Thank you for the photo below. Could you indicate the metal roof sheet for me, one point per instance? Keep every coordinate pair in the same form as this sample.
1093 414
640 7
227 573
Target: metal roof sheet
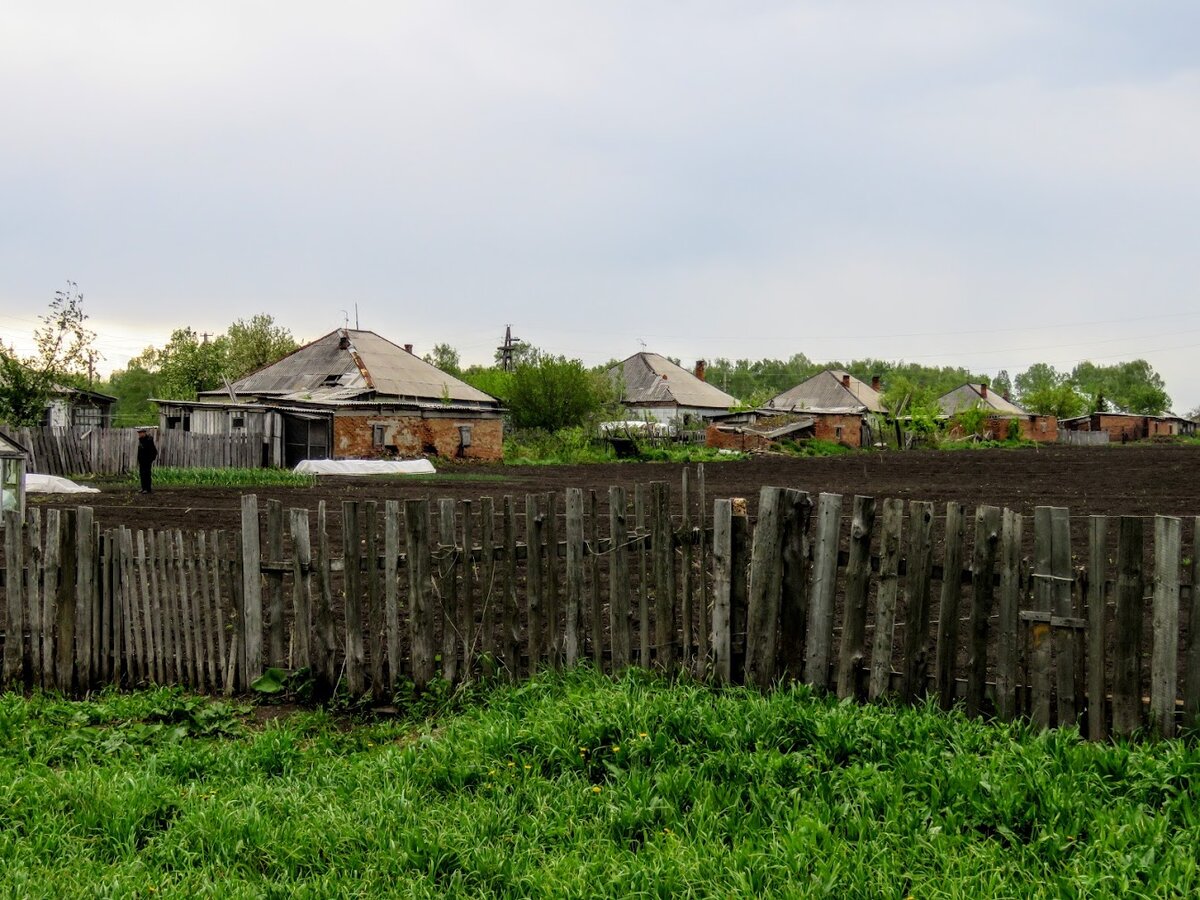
827 392
369 364
651 378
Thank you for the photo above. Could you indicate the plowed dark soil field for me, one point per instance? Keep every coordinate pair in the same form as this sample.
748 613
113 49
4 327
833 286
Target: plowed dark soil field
1121 480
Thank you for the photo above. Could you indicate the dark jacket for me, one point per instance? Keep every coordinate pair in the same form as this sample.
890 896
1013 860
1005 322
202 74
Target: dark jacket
147 452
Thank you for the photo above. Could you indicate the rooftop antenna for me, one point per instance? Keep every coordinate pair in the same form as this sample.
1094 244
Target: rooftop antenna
345 319
642 343
356 328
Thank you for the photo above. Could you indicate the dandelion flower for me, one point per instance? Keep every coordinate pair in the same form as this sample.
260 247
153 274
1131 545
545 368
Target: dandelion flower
617 749
643 734
596 789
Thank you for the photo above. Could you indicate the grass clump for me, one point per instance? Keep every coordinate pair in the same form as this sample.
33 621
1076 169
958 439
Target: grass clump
574 785
814 448
168 476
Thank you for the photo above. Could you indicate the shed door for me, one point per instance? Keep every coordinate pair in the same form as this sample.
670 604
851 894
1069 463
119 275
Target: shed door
305 438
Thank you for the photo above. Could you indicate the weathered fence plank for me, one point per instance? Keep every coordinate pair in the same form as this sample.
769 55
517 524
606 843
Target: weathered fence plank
1164 659
948 624
858 585
983 594
251 589
797 574
420 590
885 601
574 562
391 588
766 588
722 554
1191 683
618 580
447 586
917 601
821 594
1096 604
274 579
1127 652
352 555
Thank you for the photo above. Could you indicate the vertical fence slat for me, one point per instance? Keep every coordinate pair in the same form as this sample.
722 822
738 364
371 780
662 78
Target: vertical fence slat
766 588
793 613
858 586
275 653
821 594
1065 639
639 516
252 624
325 637
618 580
1191 685
1039 631
491 591
1164 659
31 545
722 554
917 601
595 608
686 579
420 590
533 581
1127 652
447 586
574 602
1097 607
702 598
391 588
983 595
1009 622
467 605
552 604
885 602
298 526
510 622
374 612
352 562
208 595
14 624
948 624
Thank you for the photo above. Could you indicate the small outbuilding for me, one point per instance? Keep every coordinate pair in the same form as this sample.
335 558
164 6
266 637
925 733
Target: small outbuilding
1122 427
70 406
13 461
839 405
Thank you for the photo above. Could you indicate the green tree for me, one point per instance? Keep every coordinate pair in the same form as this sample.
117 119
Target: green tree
1131 386
64 355
553 392
1044 390
445 358
254 343
188 365
912 402
133 387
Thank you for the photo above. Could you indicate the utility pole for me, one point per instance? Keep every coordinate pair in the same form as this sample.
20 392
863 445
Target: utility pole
506 349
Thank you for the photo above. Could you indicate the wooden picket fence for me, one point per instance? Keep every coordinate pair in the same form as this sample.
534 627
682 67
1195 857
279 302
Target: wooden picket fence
79 450
842 594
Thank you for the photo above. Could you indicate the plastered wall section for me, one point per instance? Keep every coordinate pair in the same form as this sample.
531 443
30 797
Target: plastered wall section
354 437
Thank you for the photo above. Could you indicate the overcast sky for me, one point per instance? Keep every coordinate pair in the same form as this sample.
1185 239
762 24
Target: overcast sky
986 185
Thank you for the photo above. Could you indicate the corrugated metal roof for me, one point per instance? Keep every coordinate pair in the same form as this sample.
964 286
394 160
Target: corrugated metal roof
651 378
968 396
827 392
369 366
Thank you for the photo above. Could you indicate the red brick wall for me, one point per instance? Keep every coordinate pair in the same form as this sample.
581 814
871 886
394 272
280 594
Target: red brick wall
732 440
1120 427
842 428
353 437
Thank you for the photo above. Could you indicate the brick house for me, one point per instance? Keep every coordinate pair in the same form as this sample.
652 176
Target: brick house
1003 412
1121 427
349 395
840 406
654 387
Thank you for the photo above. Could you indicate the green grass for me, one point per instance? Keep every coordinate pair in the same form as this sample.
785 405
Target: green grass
815 448
575 786
166 476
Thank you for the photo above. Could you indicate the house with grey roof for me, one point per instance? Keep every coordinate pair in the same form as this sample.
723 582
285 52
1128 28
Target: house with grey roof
653 387
1002 413
348 395
837 404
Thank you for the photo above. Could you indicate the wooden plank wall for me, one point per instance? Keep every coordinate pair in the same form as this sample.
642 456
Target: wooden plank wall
1096 626
113 451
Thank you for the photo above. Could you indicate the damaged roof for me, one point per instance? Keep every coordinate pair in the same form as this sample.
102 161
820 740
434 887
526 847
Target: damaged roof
833 390
355 365
648 378
969 396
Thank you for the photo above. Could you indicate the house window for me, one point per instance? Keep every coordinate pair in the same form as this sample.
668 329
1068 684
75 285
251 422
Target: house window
88 415
837 432
238 422
377 435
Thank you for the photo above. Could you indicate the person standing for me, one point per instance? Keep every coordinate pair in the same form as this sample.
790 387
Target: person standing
146 455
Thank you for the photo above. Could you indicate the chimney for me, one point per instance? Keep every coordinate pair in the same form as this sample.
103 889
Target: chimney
983 389
875 385
408 348
344 341
700 367
846 380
